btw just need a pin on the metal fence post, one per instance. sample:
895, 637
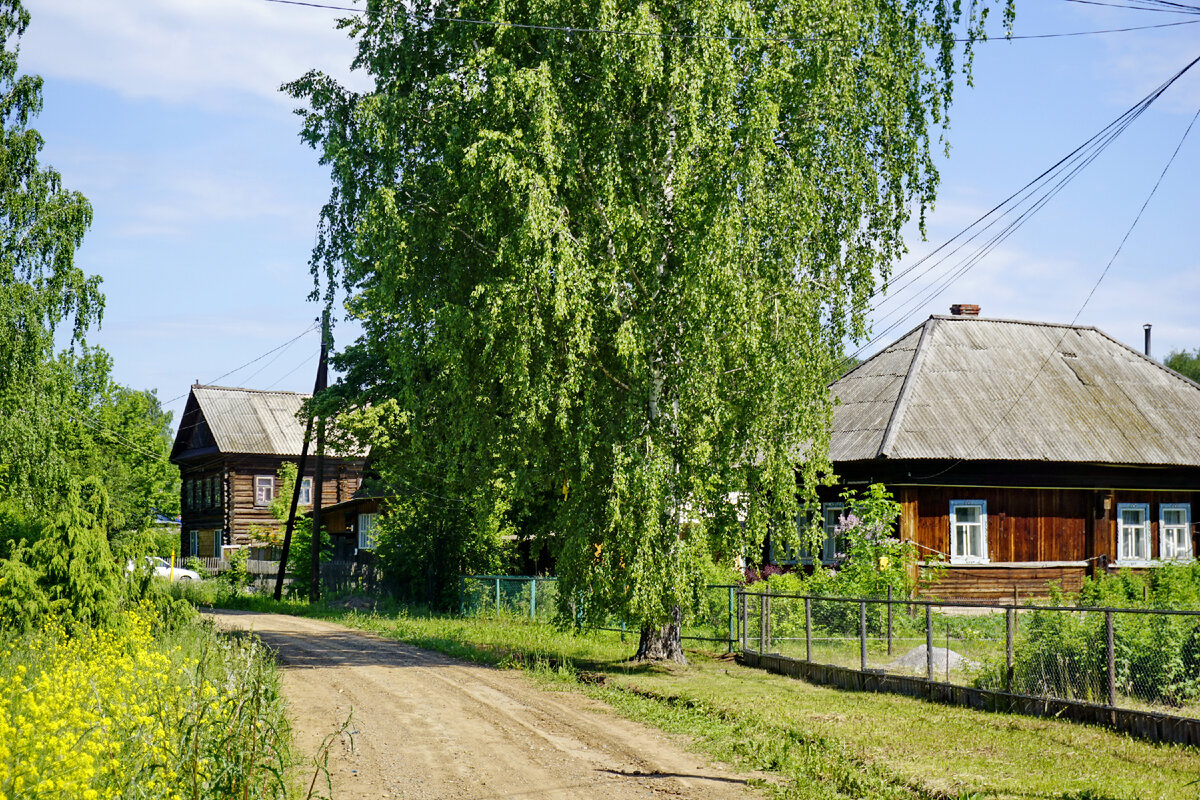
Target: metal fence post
808, 629
762, 623
1110, 657
497, 596
862, 634
743, 620
532, 598
732, 617
1008, 648
889, 617
928, 642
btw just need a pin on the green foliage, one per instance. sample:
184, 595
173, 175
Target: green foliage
22, 600
299, 565
77, 568
1157, 657
236, 576
61, 417
610, 276
424, 547
1185, 363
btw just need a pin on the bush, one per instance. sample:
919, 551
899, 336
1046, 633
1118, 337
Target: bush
120, 713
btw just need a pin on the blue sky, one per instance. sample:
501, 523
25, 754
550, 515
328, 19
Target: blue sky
166, 115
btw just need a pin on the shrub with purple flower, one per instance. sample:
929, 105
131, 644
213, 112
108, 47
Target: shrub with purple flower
873, 557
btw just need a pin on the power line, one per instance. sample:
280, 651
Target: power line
255, 360
1035, 194
1103, 274
94, 425
571, 30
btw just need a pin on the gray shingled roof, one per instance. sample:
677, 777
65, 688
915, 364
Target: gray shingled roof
974, 388
250, 421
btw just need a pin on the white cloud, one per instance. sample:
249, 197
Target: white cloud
213, 53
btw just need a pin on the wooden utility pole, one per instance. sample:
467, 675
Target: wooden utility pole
314, 593
318, 385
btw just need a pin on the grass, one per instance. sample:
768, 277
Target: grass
812, 742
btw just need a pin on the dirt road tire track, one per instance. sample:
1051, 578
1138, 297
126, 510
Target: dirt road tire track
427, 727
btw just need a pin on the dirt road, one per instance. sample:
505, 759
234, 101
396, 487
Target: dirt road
430, 727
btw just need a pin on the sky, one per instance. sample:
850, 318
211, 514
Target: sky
167, 115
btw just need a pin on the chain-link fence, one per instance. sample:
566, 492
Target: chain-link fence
715, 622
1136, 659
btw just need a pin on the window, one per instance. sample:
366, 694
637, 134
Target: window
193, 546
968, 531
217, 541
1133, 532
366, 531
206, 484
264, 489
189, 494
306, 487
830, 547
1175, 530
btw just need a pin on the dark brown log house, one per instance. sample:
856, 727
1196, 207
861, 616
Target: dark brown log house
229, 448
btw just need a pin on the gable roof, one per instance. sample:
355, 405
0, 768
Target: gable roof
246, 421
973, 388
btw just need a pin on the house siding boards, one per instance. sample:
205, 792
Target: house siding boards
1052, 427
231, 436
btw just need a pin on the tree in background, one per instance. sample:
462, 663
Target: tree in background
62, 418
1185, 363
41, 287
609, 254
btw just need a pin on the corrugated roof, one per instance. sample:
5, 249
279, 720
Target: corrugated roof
250, 421
974, 388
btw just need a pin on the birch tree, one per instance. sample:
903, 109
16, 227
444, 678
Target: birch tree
610, 253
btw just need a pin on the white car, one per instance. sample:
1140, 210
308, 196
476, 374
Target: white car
161, 568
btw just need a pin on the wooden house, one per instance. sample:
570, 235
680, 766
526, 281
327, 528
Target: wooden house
1021, 453
229, 448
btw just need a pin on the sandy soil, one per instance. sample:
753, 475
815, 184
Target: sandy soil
430, 727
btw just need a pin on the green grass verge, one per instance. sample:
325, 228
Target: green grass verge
819, 742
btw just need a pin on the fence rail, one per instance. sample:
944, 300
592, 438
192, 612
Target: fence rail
537, 597
1136, 661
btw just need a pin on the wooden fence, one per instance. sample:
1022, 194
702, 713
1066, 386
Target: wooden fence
337, 577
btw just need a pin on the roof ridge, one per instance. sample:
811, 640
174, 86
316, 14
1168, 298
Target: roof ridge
969, 318
252, 391
906, 388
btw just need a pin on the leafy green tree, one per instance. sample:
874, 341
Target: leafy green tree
121, 435
608, 253
1185, 363
41, 288
78, 572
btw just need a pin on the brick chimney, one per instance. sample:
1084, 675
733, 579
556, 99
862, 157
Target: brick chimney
964, 310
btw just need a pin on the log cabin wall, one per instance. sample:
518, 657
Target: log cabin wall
1036, 537
341, 480
218, 494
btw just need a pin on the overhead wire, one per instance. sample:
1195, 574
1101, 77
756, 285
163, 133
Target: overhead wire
573, 30
1013, 211
1067, 328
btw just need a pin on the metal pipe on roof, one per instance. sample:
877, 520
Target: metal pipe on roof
1146, 328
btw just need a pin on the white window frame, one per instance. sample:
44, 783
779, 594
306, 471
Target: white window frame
218, 540
957, 557
306, 491
264, 489
1141, 531
366, 531
1179, 546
